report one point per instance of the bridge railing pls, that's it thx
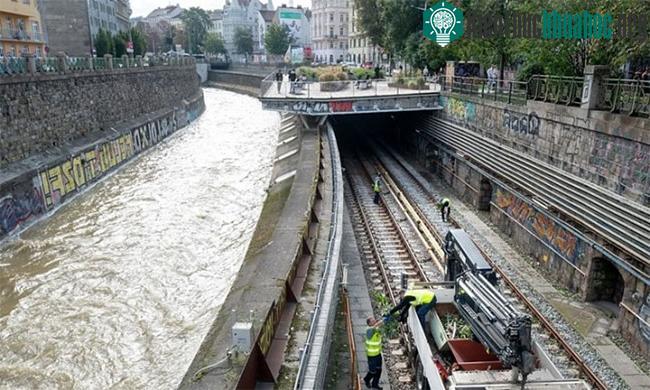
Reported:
(301, 89)
(33, 66)
(624, 96)
(511, 92)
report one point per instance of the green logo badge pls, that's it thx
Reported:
(443, 23)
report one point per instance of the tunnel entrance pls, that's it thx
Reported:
(606, 284)
(485, 195)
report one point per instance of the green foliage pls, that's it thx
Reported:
(103, 43)
(382, 303)
(362, 73)
(196, 21)
(214, 44)
(119, 46)
(528, 70)
(277, 39)
(243, 40)
(308, 72)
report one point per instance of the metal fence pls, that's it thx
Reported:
(511, 92)
(30, 65)
(556, 89)
(624, 96)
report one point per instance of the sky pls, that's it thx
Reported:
(143, 7)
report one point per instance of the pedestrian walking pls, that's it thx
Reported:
(425, 73)
(278, 79)
(373, 353)
(376, 188)
(444, 209)
(492, 76)
(292, 81)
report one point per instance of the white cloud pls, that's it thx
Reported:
(143, 7)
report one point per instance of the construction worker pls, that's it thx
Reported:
(444, 209)
(373, 352)
(423, 300)
(376, 188)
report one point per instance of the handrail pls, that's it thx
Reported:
(323, 316)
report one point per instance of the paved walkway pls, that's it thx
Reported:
(360, 306)
(313, 91)
(586, 318)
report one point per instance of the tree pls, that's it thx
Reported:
(119, 45)
(244, 40)
(103, 43)
(214, 44)
(197, 22)
(277, 39)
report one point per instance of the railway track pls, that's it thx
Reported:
(391, 249)
(600, 211)
(565, 356)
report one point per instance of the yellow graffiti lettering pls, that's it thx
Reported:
(78, 171)
(68, 181)
(91, 167)
(544, 227)
(56, 181)
(504, 200)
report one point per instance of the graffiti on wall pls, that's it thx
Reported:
(544, 227)
(521, 124)
(459, 110)
(54, 184)
(20, 206)
(644, 313)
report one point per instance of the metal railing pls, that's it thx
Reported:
(346, 88)
(20, 34)
(511, 92)
(312, 376)
(625, 96)
(12, 66)
(556, 89)
(31, 65)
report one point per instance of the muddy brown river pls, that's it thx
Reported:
(118, 288)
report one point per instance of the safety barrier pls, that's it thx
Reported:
(311, 371)
(34, 66)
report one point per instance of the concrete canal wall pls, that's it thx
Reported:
(61, 133)
(239, 81)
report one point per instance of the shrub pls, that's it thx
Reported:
(412, 84)
(308, 72)
(420, 82)
(401, 79)
(342, 76)
(529, 70)
(327, 77)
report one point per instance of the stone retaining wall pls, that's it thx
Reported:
(44, 111)
(610, 150)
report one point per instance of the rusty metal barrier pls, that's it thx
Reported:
(355, 379)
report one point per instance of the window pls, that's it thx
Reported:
(342, 18)
(341, 31)
(331, 32)
(331, 45)
(340, 45)
(331, 17)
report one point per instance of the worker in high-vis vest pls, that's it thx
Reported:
(373, 352)
(376, 188)
(444, 209)
(422, 300)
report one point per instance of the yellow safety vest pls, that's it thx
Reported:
(375, 186)
(421, 296)
(373, 344)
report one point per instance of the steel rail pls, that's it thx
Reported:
(575, 357)
(549, 187)
(570, 195)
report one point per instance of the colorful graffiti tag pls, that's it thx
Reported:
(459, 110)
(54, 184)
(20, 207)
(544, 227)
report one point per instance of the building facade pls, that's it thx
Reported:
(360, 49)
(242, 13)
(71, 25)
(216, 22)
(20, 28)
(330, 24)
(298, 23)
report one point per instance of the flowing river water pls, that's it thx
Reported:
(119, 287)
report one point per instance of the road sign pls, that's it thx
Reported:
(129, 47)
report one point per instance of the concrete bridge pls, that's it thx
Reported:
(348, 96)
